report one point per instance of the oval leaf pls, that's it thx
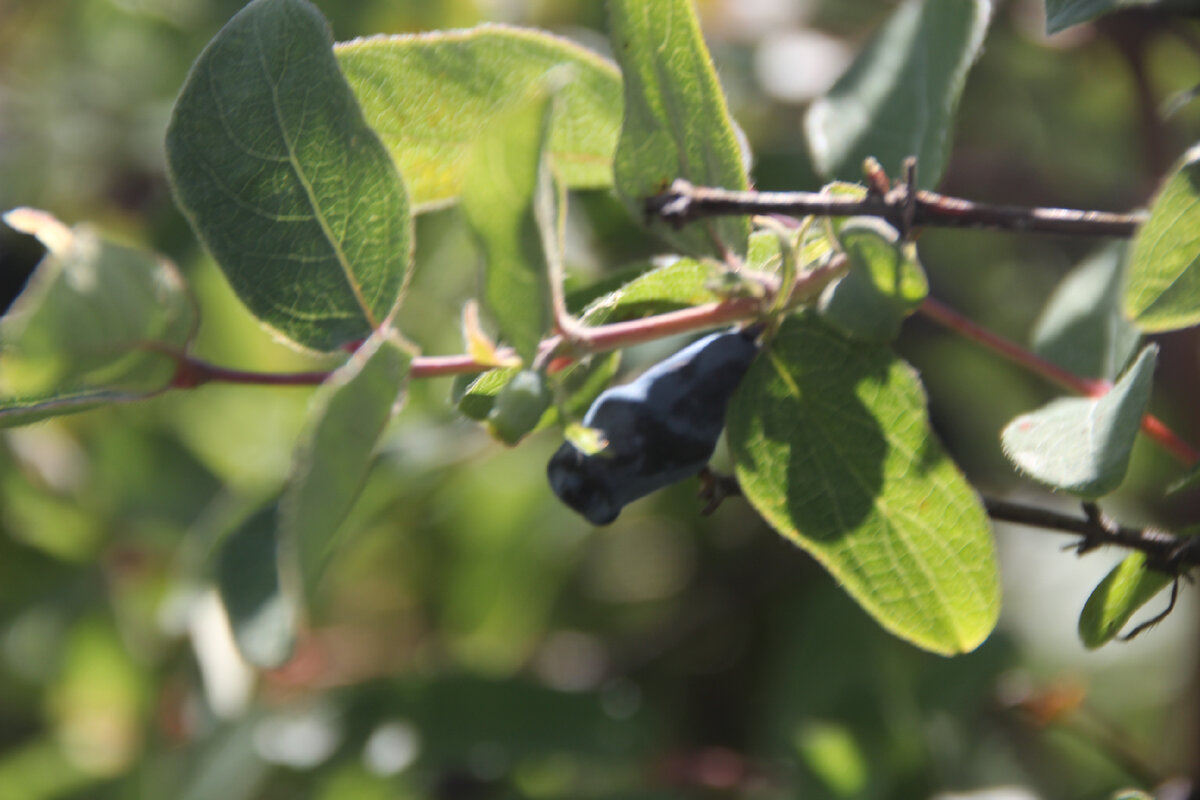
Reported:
(506, 189)
(347, 418)
(1062, 14)
(900, 95)
(1082, 445)
(1128, 587)
(91, 325)
(677, 124)
(262, 617)
(1081, 328)
(431, 96)
(1162, 291)
(884, 285)
(832, 446)
(280, 176)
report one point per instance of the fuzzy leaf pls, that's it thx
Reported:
(900, 95)
(832, 446)
(347, 417)
(1082, 445)
(506, 184)
(1162, 290)
(431, 96)
(85, 331)
(1082, 328)
(884, 285)
(676, 123)
(1128, 587)
(284, 181)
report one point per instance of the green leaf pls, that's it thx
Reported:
(91, 325)
(283, 180)
(1082, 445)
(1162, 290)
(347, 417)
(677, 124)
(431, 96)
(884, 285)
(503, 204)
(683, 283)
(1128, 587)
(263, 618)
(832, 446)
(900, 95)
(1062, 14)
(1081, 328)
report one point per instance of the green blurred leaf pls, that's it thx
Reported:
(1082, 328)
(430, 97)
(900, 95)
(832, 446)
(1062, 14)
(831, 752)
(506, 187)
(1128, 587)
(519, 406)
(683, 283)
(285, 182)
(1082, 445)
(262, 616)
(1162, 290)
(884, 285)
(677, 124)
(85, 330)
(346, 419)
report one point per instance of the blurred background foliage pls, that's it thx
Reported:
(478, 640)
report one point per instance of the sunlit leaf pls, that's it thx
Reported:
(262, 616)
(884, 285)
(431, 96)
(900, 95)
(501, 203)
(1128, 587)
(282, 178)
(1081, 328)
(676, 123)
(346, 419)
(1082, 445)
(832, 446)
(94, 325)
(1162, 290)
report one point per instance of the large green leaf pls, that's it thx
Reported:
(1162, 291)
(900, 96)
(1062, 14)
(832, 446)
(1128, 587)
(91, 326)
(347, 418)
(430, 97)
(285, 182)
(884, 285)
(1081, 328)
(262, 616)
(1082, 445)
(502, 202)
(676, 124)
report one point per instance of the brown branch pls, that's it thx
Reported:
(905, 210)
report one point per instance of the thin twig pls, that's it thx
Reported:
(684, 202)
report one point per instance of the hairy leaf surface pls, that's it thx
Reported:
(676, 123)
(430, 97)
(1082, 445)
(282, 178)
(900, 95)
(832, 446)
(1162, 291)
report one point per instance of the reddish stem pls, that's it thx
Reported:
(1152, 426)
